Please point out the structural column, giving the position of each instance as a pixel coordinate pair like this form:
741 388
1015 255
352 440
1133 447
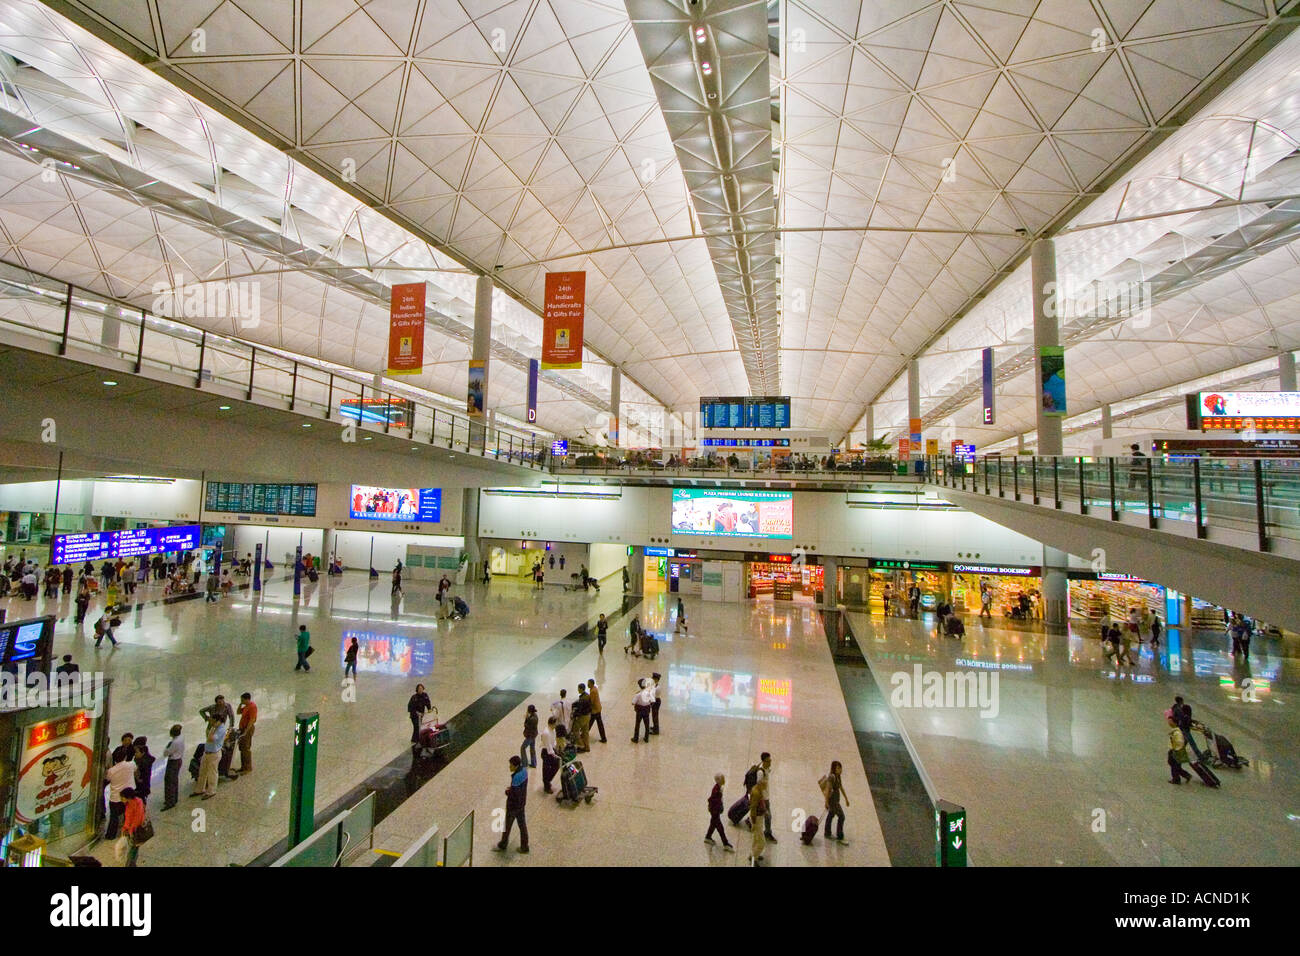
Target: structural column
326 547
830 583
1106 425
1056 586
469 527
482 350
615 401
1286 372
871 423
913 400
1047 333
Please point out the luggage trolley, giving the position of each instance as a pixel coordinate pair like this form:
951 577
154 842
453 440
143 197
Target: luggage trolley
434 737
573 784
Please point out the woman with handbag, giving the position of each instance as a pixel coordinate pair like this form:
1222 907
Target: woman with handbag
136 829
416 708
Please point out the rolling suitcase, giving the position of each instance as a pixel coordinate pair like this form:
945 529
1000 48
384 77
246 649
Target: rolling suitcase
1205 773
739 810
573 784
809 831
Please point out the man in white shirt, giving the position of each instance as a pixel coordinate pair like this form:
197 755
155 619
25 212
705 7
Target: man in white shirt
550 759
562 710
642 703
174 755
118 777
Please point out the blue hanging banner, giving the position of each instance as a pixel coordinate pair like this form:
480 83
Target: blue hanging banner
534 367
990 413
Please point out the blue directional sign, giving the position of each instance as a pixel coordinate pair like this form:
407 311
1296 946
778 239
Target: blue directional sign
101 545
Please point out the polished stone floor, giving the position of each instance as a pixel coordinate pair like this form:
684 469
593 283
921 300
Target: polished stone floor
745 678
1072 769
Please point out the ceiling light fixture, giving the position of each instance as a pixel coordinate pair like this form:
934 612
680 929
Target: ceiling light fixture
223 408
706 68
306 424
109 381
699 35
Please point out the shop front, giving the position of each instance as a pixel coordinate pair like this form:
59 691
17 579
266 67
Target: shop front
777 577
1093 594
890 580
1017 591
673 571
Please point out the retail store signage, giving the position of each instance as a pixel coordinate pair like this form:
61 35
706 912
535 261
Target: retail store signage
780 559
1105 576
994 569
888 564
660 552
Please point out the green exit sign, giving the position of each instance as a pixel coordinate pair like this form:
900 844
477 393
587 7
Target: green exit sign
302 784
950 835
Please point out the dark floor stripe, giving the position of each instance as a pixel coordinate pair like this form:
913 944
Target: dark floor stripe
406 773
903 807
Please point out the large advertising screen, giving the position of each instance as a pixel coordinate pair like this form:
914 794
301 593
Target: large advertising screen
736 514
393 654
1263 411
99 545
395 504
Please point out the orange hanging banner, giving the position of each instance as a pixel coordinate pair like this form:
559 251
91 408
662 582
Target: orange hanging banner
563 309
406 329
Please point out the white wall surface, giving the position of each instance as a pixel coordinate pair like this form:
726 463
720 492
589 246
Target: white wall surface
606 559
158 501
823 523
283 541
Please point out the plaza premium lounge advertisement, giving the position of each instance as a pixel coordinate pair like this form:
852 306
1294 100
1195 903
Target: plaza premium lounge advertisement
736 514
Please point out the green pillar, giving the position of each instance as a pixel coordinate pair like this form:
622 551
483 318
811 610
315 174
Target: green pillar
302 788
949 834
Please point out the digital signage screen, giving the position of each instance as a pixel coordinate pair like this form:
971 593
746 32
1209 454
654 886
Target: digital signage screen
735 514
373 503
1262 411
99 545
295 500
745 411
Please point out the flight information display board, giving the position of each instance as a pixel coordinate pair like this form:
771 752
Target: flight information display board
745 411
259 499
101 545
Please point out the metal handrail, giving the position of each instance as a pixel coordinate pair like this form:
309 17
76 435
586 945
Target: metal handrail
1261 495
225 360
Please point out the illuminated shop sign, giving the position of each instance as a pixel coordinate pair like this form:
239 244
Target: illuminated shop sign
994 569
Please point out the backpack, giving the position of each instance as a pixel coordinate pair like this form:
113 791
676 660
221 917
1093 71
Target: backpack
751 777
824 784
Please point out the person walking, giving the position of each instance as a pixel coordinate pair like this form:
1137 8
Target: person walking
581 712
174 754
596 720
765 778
528 749
1156 628
82 601
487 571
758 811
642 703
212 589
118 777
633 634
144 762
397 580
67 578
104 629
247 724
602 634
715 813
986 603
1177 755
913 601
417 707
350 659
127 849
550 756
681 617
304 648
516 800
1136 467
214 738
833 791
654 707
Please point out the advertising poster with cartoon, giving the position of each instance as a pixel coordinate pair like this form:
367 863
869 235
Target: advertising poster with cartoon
55 766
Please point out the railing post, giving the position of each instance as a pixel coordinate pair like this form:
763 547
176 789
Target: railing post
1083 489
252 365
203 348
293 387
329 400
1056 481
1196 483
1261 519
1001 493
1151 496
433 426
1110 475
67 319
1015 477
1033 471
139 346
388 413
986 474
410 432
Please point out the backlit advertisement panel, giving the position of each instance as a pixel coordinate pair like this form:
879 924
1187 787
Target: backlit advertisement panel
373 503
735 514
